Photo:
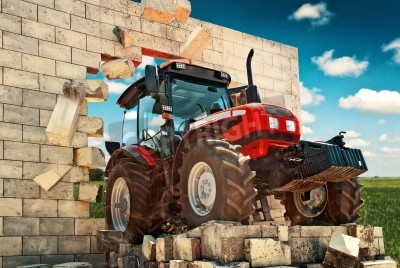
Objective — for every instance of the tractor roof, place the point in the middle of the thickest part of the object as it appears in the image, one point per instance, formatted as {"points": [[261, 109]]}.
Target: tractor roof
{"points": [[186, 71]]}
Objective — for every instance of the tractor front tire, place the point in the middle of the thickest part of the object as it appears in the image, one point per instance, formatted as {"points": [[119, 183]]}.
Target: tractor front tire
{"points": [[346, 203], [342, 205], [216, 183], [131, 203]]}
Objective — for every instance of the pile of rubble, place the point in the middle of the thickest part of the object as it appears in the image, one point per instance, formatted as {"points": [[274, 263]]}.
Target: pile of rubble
{"points": [[229, 244]]}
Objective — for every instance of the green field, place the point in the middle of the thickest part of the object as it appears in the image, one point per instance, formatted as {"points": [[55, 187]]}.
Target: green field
{"points": [[382, 196], [382, 208]]}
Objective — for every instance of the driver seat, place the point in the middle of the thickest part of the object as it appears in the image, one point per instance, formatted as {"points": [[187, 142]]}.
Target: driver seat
{"points": [[215, 108]]}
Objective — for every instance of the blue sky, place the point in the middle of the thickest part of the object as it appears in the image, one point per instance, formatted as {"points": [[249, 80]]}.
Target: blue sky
{"points": [[349, 59]]}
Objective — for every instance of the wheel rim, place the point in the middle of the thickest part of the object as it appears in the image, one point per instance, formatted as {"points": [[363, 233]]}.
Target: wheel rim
{"points": [[120, 205], [201, 189], [311, 204]]}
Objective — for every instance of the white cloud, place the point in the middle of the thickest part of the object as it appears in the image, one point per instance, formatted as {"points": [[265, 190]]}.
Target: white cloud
{"points": [[395, 46], [156, 122], [317, 14], [344, 66], [306, 130], [377, 102], [132, 115], [389, 138], [357, 143], [94, 142], [351, 134], [146, 60], [307, 117], [381, 121], [353, 140], [368, 154], [310, 96], [390, 150], [115, 87]]}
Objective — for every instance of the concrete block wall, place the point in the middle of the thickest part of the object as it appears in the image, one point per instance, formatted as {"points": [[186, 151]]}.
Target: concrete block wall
{"points": [[43, 44]]}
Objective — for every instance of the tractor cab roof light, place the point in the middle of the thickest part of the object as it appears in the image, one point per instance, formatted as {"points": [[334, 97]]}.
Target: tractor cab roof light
{"points": [[181, 66], [224, 75]]}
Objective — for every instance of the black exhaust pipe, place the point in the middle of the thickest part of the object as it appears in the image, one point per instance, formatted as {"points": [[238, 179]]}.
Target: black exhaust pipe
{"points": [[251, 91], [248, 65]]}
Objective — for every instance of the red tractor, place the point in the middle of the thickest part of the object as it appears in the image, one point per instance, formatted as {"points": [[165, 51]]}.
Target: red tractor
{"points": [[205, 152]]}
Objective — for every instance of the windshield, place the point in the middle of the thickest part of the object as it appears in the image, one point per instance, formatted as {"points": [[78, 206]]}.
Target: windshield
{"points": [[191, 101]]}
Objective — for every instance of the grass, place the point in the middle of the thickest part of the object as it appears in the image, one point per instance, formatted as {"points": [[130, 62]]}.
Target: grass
{"points": [[382, 196], [97, 210]]}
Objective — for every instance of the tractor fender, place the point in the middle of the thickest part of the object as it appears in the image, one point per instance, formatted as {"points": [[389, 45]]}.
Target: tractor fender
{"points": [[191, 137], [136, 152]]}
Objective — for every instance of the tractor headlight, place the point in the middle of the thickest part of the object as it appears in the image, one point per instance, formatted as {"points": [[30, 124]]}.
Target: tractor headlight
{"points": [[273, 122], [290, 125]]}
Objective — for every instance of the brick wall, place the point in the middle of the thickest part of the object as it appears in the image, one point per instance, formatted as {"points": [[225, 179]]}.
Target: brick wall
{"points": [[43, 44]]}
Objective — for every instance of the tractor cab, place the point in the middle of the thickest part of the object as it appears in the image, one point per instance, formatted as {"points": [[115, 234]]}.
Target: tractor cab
{"points": [[170, 99]]}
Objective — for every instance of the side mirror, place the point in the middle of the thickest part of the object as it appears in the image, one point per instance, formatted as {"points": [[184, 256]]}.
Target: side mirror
{"points": [[151, 78]]}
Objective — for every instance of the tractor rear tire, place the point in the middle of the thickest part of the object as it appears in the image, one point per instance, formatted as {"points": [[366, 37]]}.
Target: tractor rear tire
{"points": [[145, 215], [343, 205], [216, 183]]}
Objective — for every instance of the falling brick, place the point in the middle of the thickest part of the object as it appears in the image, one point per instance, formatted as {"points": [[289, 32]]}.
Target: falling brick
{"points": [[75, 90], [63, 122], [182, 10], [342, 251], [47, 180], [161, 11], [197, 41], [123, 37], [89, 157], [97, 91], [118, 69], [90, 192]]}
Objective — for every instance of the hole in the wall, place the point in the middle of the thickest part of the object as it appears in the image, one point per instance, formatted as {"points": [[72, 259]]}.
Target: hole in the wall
{"points": [[111, 113]]}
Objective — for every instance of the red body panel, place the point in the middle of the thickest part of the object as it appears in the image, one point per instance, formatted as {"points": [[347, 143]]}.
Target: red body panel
{"points": [[253, 131], [256, 120]]}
